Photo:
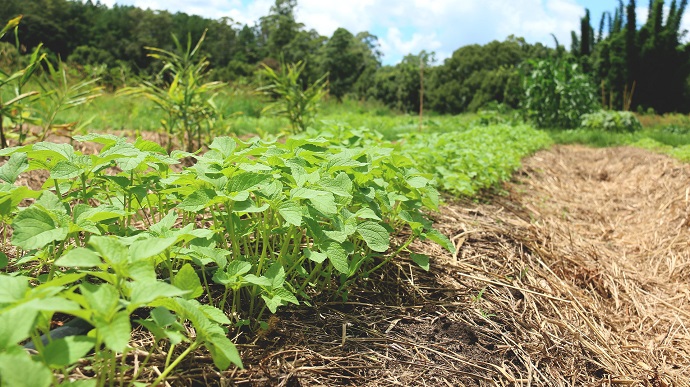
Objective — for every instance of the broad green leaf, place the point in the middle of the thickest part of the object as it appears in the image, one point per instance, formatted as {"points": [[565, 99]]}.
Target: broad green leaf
{"points": [[49, 149], [223, 352], [110, 248], [4, 261], [246, 181], [52, 203], [14, 167], [291, 212], [12, 332], [79, 257], [224, 145], [276, 273], [315, 256], [162, 316], [215, 314], [143, 292], [375, 236], [259, 281], [442, 240], [65, 170], [102, 298], [187, 279], [337, 255], [272, 303], [367, 213], [421, 260], [34, 228], [238, 268], [18, 369], [197, 201], [286, 295], [149, 247], [12, 288], [116, 332], [68, 350]]}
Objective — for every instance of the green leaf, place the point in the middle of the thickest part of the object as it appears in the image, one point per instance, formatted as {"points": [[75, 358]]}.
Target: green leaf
{"points": [[337, 255], [286, 295], [223, 352], [79, 257], [149, 247], [143, 292], [421, 260], [14, 167], [197, 201], [224, 145], [116, 333], [315, 256], [442, 240], [12, 288], [259, 281], [110, 248], [102, 298], [68, 350], [187, 279], [34, 228], [4, 261], [65, 170], [276, 273], [11, 332], [246, 181], [17, 369], [375, 236], [291, 212], [215, 314]]}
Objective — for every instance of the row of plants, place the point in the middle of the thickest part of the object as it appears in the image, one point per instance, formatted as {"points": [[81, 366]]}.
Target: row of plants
{"points": [[466, 162], [122, 241]]}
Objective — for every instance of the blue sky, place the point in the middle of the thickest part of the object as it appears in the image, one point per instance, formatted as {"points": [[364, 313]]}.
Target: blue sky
{"points": [[409, 26]]}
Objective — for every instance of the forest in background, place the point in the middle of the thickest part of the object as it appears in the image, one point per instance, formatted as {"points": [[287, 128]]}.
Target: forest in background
{"points": [[633, 67]]}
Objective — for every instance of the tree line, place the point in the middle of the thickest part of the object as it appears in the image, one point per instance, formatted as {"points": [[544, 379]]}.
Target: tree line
{"points": [[635, 67]]}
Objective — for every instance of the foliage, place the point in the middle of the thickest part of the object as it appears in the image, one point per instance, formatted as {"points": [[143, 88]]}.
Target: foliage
{"points": [[464, 163], [251, 227], [611, 121], [181, 92], [557, 94], [12, 111], [294, 101]]}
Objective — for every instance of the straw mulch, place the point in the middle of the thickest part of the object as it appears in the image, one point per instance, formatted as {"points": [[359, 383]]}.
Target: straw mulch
{"points": [[576, 274]]}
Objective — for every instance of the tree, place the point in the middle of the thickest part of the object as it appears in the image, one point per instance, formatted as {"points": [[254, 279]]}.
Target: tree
{"points": [[343, 62]]}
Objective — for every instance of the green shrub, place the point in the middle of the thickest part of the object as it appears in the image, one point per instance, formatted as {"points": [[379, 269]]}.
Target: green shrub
{"points": [[611, 121]]}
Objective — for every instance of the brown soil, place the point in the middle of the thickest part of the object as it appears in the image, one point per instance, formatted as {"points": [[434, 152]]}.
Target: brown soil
{"points": [[579, 275]]}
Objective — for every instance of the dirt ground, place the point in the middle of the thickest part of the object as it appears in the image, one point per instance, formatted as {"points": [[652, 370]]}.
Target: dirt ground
{"points": [[576, 273]]}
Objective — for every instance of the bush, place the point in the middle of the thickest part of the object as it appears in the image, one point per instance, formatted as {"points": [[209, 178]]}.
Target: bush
{"points": [[611, 121], [556, 94]]}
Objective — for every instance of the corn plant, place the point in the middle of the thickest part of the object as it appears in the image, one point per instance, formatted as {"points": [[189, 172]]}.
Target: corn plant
{"points": [[57, 95], [293, 101], [181, 92], [14, 110]]}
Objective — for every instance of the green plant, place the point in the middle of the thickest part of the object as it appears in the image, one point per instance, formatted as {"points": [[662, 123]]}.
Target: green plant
{"points": [[181, 93], [611, 121], [13, 111], [294, 101], [556, 93]]}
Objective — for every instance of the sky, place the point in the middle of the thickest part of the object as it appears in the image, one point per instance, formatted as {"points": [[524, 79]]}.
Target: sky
{"points": [[410, 26]]}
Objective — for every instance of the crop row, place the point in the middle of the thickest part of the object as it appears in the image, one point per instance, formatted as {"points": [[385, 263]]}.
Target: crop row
{"points": [[127, 238]]}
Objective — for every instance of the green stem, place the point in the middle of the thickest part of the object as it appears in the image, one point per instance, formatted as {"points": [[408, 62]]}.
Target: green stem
{"points": [[177, 361]]}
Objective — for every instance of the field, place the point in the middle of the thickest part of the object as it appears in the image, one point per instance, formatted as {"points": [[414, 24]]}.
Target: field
{"points": [[365, 250]]}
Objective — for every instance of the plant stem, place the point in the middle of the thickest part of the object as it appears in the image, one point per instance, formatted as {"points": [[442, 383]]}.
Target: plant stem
{"points": [[177, 361]]}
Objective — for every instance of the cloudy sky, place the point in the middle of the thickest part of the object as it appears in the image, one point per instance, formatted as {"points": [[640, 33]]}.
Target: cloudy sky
{"points": [[409, 26]]}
